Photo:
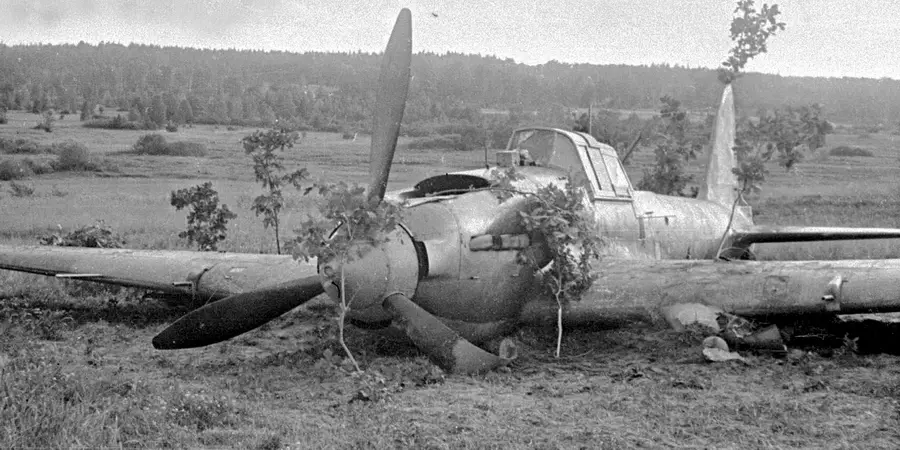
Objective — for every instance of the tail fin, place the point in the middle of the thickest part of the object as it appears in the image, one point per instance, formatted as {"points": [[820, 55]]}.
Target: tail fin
{"points": [[721, 183]]}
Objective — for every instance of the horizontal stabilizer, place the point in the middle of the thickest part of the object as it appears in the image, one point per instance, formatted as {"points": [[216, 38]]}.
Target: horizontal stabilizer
{"points": [[765, 233]]}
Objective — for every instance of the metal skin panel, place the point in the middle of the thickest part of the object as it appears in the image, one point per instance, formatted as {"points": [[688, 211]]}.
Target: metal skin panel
{"points": [[235, 275], [681, 228], [628, 291], [216, 274], [479, 287]]}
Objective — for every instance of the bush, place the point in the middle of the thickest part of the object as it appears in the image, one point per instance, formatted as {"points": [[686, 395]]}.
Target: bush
{"points": [[20, 190], [46, 123], [171, 127], [38, 167], [97, 235], [150, 144], [182, 148], [116, 123], [22, 146], [845, 150], [14, 170], [3, 118], [72, 156], [155, 144]]}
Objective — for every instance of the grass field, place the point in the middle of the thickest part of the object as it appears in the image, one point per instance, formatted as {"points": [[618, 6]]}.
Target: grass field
{"points": [[77, 368]]}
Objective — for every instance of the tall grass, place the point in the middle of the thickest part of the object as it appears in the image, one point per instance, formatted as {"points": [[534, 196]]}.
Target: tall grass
{"points": [[54, 401]]}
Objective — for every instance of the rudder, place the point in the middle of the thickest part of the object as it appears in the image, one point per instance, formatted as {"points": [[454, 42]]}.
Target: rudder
{"points": [[721, 183]]}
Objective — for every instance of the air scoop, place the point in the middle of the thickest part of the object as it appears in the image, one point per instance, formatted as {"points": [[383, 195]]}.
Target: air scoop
{"points": [[372, 273]]}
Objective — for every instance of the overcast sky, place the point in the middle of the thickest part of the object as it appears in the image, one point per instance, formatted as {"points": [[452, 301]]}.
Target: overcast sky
{"points": [[823, 37]]}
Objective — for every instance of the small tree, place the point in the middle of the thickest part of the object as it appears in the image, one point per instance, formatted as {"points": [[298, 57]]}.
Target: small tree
{"points": [[47, 119], [186, 112], [750, 31], [268, 168], [87, 110], [676, 145], [157, 111], [207, 219], [786, 134]]}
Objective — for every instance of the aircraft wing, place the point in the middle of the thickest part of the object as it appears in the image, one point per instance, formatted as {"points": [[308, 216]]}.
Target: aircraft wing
{"points": [[766, 233], [629, 291], [207, 275]]}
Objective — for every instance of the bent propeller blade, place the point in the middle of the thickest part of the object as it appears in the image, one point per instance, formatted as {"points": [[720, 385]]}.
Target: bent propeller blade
{"points": [[237, 314], [442, 345], [390, 100]]}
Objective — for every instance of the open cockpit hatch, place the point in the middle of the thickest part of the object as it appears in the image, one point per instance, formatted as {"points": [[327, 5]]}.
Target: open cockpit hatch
{"points": [[588, 163]]}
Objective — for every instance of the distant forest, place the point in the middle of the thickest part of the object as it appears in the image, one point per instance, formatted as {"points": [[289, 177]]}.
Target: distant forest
{"points": [[336, 90]]}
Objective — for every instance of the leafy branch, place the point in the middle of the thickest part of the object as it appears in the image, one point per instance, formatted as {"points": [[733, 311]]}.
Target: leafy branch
{"points": [[784, 134], [350, 225], [207, 219], [676, 144], [750, 31], [559, 219]]}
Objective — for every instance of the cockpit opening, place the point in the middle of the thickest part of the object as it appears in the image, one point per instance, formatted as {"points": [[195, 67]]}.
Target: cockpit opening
{"points": [[447, 184]]}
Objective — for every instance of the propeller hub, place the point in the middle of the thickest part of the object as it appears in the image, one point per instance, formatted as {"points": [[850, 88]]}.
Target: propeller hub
{"points": [[367, 275]]}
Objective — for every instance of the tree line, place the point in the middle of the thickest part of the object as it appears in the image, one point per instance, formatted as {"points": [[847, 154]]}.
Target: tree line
{"points": [[335, 90]]}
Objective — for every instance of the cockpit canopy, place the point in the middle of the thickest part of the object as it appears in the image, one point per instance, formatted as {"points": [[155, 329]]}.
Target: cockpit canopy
{"points": [[589, 163]]}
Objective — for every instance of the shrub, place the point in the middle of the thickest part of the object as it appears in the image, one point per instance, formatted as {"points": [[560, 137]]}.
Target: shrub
{"points": [[14, 170], [3, 118], [116, 123], [845, 150], [72, 156], [22, 146], [38, 167], [155, 144], [171, 127], [182, 148], [46, 123], [150, 144], [20, 190], [97, 235]]}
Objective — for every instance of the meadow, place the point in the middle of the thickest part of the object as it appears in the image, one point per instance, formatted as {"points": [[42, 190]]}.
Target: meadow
{"points": [[77, 368]]}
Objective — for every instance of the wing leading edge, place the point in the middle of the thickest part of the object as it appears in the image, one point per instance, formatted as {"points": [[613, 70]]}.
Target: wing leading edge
{"points": [[773, 234], [207, 275], [628, 291]]}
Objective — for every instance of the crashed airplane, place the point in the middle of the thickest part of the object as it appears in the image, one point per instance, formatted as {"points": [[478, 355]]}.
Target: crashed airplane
{"points": [[449, 276]]}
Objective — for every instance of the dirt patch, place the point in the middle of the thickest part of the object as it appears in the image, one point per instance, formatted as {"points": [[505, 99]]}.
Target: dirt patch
{"points": [[287, 385]]}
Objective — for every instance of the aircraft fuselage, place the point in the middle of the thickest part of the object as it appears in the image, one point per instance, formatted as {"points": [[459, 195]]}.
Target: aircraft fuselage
{"points": [[468, 239]]}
